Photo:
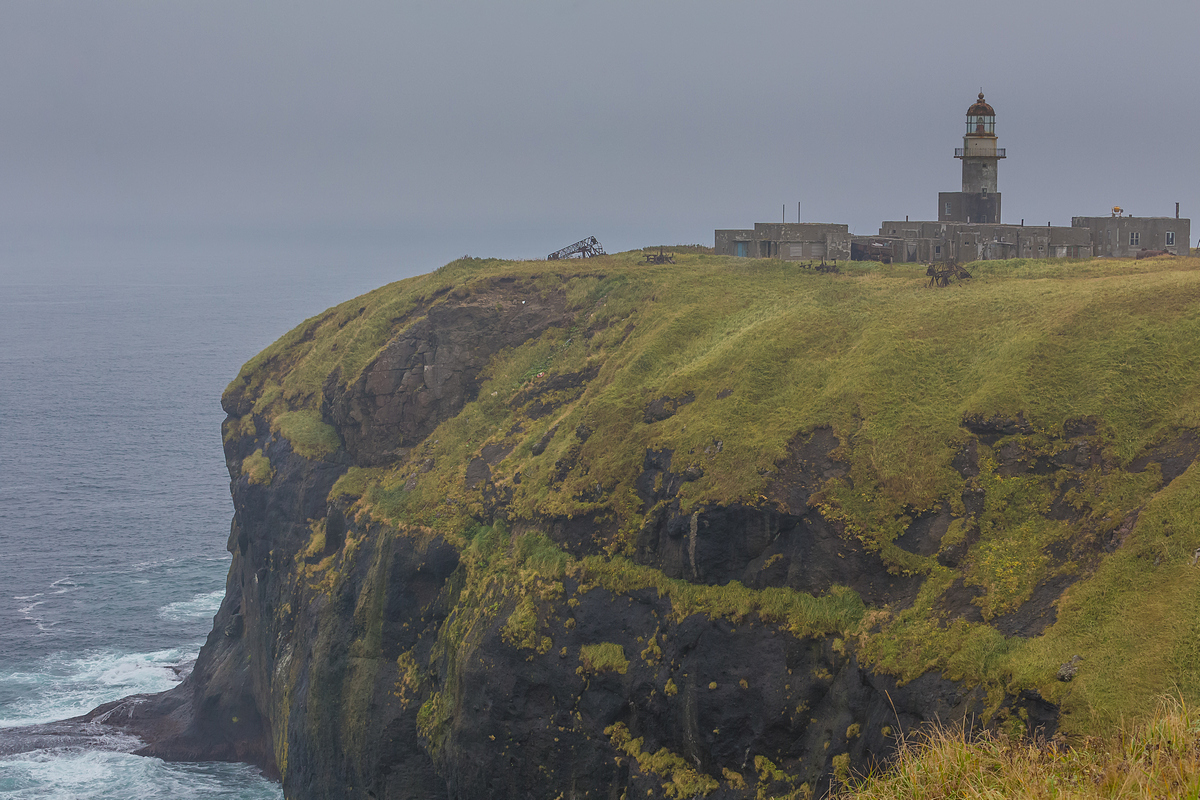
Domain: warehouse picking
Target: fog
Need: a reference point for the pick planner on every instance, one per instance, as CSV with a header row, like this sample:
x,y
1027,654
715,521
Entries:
x,y
512,129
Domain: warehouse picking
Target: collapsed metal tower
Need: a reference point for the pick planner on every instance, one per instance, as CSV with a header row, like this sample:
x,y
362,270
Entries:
x,y
584,248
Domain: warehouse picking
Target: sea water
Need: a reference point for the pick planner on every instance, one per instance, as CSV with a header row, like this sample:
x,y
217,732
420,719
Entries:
x,y
114,496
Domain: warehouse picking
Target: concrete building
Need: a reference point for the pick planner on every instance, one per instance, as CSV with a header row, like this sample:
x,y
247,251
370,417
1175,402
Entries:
x,y
968,227
926,242
979,200
790,241
1123,237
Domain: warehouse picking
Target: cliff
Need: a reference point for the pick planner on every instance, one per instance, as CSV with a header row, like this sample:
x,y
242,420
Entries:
x,y
722,528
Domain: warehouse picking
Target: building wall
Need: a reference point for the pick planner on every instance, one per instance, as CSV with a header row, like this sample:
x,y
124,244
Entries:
x,y
979,174
964,207
1123,237
790,241
963,242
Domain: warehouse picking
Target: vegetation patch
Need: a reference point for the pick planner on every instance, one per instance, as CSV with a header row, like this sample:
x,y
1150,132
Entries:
x,y
603,657
316,543
257,467
310,436
679,779
801,614
355,482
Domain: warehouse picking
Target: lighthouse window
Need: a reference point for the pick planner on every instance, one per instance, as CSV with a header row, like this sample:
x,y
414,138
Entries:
x,y
1135,239
981,125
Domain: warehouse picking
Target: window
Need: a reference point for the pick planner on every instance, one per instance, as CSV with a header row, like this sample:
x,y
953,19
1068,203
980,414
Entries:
x,y
947,208
937,250
1170,238
1135,239
985,191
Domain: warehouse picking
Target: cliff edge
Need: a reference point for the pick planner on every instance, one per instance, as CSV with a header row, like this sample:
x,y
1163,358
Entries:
x,y
723,528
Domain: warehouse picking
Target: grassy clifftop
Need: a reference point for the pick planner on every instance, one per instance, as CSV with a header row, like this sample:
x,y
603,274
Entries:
x,y
731,364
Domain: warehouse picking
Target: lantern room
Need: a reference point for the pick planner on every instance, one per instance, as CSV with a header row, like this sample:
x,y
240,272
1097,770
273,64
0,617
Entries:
x,y
981,119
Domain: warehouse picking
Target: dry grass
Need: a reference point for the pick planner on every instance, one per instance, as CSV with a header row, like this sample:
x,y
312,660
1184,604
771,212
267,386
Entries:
x,y
1157,759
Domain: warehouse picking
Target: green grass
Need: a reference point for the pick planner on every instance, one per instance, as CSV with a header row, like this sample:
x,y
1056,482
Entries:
x,y
770,352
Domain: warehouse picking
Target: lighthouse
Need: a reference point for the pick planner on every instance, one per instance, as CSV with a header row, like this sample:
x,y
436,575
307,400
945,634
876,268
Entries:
x,y
979,200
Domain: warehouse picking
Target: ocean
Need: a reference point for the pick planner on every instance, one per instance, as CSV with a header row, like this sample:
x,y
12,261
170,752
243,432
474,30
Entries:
x,y
114,497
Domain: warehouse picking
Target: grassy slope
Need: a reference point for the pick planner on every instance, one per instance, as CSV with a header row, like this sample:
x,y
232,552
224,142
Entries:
x,y
893,367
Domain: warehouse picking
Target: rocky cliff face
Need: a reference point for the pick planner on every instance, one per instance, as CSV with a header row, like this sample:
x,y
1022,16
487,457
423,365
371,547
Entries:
x,y
444,585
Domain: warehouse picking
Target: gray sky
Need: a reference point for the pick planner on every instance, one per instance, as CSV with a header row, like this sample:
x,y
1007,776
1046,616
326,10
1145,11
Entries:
x,y
522,126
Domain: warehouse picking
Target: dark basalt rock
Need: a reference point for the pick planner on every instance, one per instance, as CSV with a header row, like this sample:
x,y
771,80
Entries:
x,y
430,370
477,472
1172,456
665,407
543,395
992,429
540,446
925,532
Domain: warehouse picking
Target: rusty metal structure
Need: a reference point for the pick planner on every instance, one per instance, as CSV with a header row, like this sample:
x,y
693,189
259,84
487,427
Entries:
x,y
584,248
659,258
822,267
941,274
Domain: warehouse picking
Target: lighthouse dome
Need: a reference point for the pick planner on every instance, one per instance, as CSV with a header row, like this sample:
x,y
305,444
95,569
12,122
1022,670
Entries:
x,y
980,109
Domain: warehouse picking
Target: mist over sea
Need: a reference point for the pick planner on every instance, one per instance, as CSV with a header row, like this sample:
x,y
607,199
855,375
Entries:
x,y
114,497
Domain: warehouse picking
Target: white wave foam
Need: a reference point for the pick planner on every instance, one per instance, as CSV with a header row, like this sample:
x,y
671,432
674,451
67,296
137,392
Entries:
x,y
25,609
97,774
202,605
64,585
67,686
27,612
143,566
